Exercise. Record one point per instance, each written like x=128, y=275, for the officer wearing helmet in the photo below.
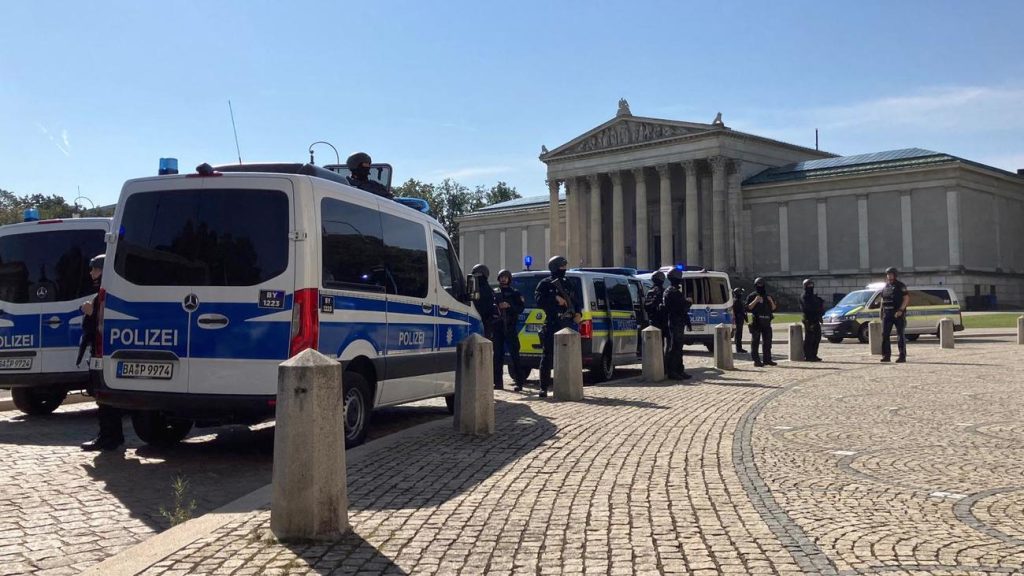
x=654, y=306
x=486, y=307
x=561, y=307
x=739, y=318
x=677, y=309
x=761, y=307
x=813, y=309
x=359, y=175
x=111, y=435
x=510, y=304
x=895, y=299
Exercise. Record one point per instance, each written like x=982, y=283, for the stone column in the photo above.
x=692, y=209
x=553, y=217
x=665, y=215
x=735, y=208
x=908, y=230
x=784, y=236
x=618, y=221
x=641, y=218
x=571, y=236
x=953, y=222
x=595, y=220
x=822, y=235
x=862, y=233
x=718, y=212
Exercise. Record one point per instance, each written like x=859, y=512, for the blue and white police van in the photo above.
x=710, y=293
x=44, y=279
x=213, y=279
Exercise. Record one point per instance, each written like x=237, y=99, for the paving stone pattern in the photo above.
x=847, y=467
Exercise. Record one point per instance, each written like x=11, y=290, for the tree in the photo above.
x=500, y=192
x=450, y=200
x=12, y=207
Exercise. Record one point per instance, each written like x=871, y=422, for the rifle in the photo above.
x=569, y=305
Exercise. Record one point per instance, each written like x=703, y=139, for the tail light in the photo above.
x=305, y=321
x=97, y=343
x=587, y=329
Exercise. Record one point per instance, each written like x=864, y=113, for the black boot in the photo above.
x=103, y=443
x=757, y=361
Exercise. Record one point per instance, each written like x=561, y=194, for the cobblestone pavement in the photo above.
x=847, y=467
x=63, y=510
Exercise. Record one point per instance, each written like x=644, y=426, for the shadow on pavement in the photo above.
x=65, y=427
x=349, y=555
x=622, y=402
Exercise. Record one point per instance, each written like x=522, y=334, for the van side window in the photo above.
x=929, y=297
x=352, y=246
x=405, y=256
x=48, y=266
x=619, y=297
x=599, y=294
x=449, y=274
x=718, y=292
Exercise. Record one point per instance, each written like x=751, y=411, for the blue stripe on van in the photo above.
x=23, y=335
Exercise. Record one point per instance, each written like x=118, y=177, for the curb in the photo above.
x=8, y=404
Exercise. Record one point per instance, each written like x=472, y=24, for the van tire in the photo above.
x=357, y=406
x=603, y=368
x=449, y=402
x=835, y=339
x=155, y=428
x=35, y=402
x=862, y=333
x=911, y=337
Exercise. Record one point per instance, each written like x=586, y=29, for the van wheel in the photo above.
x=862, y=333
x=37, y=402
x=603, y=369
x=835, y=339
x=449, y=401
x=357, y=409
x=911, y=337
x=157, y=429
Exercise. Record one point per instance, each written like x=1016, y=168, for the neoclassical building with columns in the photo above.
x=646, y=192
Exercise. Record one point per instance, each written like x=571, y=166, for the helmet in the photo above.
x=505, y=272
x=738, y=291
x=658, y=277
x=808, y=282
x=890, y=270
x=356, y=160
x=759, y=281
x=675, y=275
x=556, y=262
x=97, y=261
x=481, y=270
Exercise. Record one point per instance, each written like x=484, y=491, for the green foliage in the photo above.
x=184, y=506
x=12, y=207
x=449, y=200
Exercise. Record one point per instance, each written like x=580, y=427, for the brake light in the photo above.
x=305, y=321
x=97, y=343
x=587, y=329
x=51, y=221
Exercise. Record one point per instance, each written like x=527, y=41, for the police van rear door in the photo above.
x=19, y=304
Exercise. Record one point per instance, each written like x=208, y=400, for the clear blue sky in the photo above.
x=92, y=94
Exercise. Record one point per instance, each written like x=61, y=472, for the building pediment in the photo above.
x=625, y=132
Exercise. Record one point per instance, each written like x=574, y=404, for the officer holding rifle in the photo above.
x=561, y=307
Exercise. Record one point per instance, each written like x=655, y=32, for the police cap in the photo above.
x=556, y=262
x=358, y=159
x=481, y=270
x=97, y=261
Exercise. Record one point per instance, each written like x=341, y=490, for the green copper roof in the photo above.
x=849, y=165
x=519, y=203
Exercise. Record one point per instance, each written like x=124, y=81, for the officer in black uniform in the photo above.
x=654, y=305
x=510, y=304
x=677, y=308
x=739, y=318
x=895, y=299
x=561, y=307
x=359, y=169
x=813, y=308
x=761, y=307
x=488, y=310
x=111, y=434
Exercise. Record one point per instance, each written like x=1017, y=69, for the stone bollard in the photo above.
x=946, y=333
x=309, y=500
x=796, y=342
x=474, y=386
x=1020, y=330
x=875, y=337
x=568, y=379
x=654, y=355
x=723, y=347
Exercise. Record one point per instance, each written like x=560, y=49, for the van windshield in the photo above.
x=527, y=286
x=704, y=290
x=50, y=266
x=858, y=298
x=220, y=237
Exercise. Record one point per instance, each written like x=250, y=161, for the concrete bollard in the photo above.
x=1020, y=330
x=875, y=337
x=654, y=355
x=568, y=379
x=946, y=333
x=723, y=347
x=474, y=386
x=309, y=500
x=796, y=342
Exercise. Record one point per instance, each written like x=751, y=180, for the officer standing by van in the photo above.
x=359, y=169
x=895, y=299
x=111, y=434
x=654, y=305
x=813, y=309
x=488, y=310
x=739, y=318
x=561, y=307
x=510, y=304
x=677, y=308
x=761, y=307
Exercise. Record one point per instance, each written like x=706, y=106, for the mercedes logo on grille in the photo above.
x=190, y=303
x=42, y=292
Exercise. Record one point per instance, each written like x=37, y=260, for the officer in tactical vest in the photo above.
x=895, y=299
x=111, y=434
x=510, y=305
x=561, y=307
x=739, y=318
x=761, y=307
x=359, y=169
x=813, y=309
x=488, y=310
x=654, y=305
x=677, y=309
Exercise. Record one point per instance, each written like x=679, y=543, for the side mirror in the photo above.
x=472, y=289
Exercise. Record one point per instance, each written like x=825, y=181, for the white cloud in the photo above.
x=64, y=136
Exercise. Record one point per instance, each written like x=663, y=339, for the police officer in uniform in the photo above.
x=813, y=308
x=677, y=308
x=359, y=169
x=510, y=304
x=739, y=318
x=111, y=434
x=561, y=307
x=895, y=299
x=761, y=307
x=654, y=305
x=488, y=310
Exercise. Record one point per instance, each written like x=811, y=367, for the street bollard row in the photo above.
x=796, y=342
x=474, y=387
x=653, y=355
x=723, y=347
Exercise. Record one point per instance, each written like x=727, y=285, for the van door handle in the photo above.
x=53, y=322
x=427, y=308
x=212, y=321
x=442, y=310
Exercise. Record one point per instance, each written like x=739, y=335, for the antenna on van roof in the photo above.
x=235, y=130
